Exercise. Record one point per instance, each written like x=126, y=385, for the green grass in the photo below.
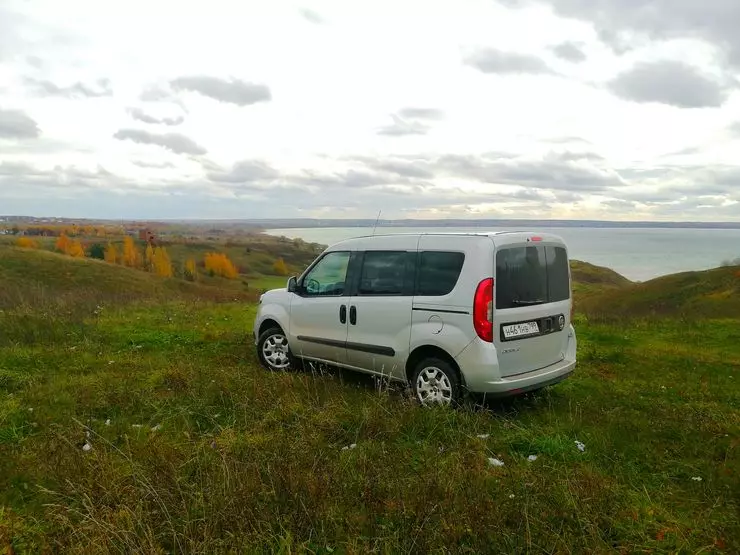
x=207, y=452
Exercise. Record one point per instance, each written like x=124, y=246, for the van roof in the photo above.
x=511, y=236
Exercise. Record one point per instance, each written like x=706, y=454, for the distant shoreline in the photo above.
x=263, y=224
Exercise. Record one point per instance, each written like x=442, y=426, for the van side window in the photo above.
x=327, y=277
x=383, y=273
x=438, y=272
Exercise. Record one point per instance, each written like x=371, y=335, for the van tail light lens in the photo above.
x=483, y=310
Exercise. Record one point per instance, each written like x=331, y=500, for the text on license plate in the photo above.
x=520, y=330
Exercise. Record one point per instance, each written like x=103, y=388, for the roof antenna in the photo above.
x=376, y=221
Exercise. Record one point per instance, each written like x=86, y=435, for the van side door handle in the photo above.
x=343, y=314
x=353, y=315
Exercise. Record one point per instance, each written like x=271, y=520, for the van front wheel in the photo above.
x=273, y=350
x=436, y=382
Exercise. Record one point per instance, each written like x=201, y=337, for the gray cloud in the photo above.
x=102, y=87
x=715, y=22
x=233, y=91
x=491, y=60
x=141, y=115
x=570, y=52
x=569, y=156
x=401, y=168
x=245, y=171
x=421, y=113
x=176, y=142
x=153, y=165
x=401, y=127
x=311, y=16
x=540, y=174
x=668, y=82
x=16, y=124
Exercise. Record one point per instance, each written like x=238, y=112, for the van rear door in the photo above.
x=532, y=300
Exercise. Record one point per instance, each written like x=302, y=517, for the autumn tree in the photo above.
x=111, y=253
x=63, y=243
x=149, y=257
x=280, y=268
x=191, y=271
x=218, y=264
x=27, y=243
x=131, y=255
x=76, y=249
x=161, y=262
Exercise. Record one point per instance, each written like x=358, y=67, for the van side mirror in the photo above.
x=292, y=284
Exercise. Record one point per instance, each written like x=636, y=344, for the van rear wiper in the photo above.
x=528, y=303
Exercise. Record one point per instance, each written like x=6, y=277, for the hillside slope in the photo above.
x=711, y=293
x=35, y=277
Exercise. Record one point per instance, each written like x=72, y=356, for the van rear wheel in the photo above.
x=436, y=382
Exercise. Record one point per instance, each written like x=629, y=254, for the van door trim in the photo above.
x=361, y=347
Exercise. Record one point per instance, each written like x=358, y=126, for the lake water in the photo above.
x=637, y=253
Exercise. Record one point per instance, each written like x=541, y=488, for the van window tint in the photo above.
x=383, y=273
x=531, y=275
x=558, y=274
x=438, y=272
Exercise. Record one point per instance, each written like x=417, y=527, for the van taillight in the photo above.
x=483, y=310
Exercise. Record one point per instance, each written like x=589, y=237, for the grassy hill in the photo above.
x=195, y=448
x=708, y=294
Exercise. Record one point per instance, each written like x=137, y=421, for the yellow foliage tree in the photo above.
x=161, y=262
x=75, y=249
x=218, y=264
x=63, y=243
x=280, y=268
x=131, y=255
x=191, y=271
x=111, y=254
x=27, y=243
x=149, y=257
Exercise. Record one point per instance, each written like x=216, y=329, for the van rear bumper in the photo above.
x=479, y=365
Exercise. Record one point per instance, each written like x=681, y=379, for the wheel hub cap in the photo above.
x=275, y=351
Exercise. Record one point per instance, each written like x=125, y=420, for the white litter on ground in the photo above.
x=157, y=428
x=532, y=458
x=136, y=425
x=495, y=462
x=107, y=422
x=352, y=446
x=86, y=447
x=581, y=446
x=484, y=436
x=696, y=478
x=512, y=496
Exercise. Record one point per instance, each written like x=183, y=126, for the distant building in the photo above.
x=148, y=236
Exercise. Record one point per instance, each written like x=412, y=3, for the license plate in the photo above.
x=521, y=330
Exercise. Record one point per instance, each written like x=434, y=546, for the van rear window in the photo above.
x=531, y=275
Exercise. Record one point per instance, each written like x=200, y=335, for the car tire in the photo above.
x=273, y=350
x=436, y=382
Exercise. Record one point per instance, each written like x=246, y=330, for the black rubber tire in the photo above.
x=448, y=371
x=266, y=335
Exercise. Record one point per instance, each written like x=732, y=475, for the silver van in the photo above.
x=448, y=313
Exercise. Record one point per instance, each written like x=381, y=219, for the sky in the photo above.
x=564, y=109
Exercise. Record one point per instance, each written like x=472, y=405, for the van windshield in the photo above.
x=531, y=275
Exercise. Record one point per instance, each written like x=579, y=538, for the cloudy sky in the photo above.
x=608, y=109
